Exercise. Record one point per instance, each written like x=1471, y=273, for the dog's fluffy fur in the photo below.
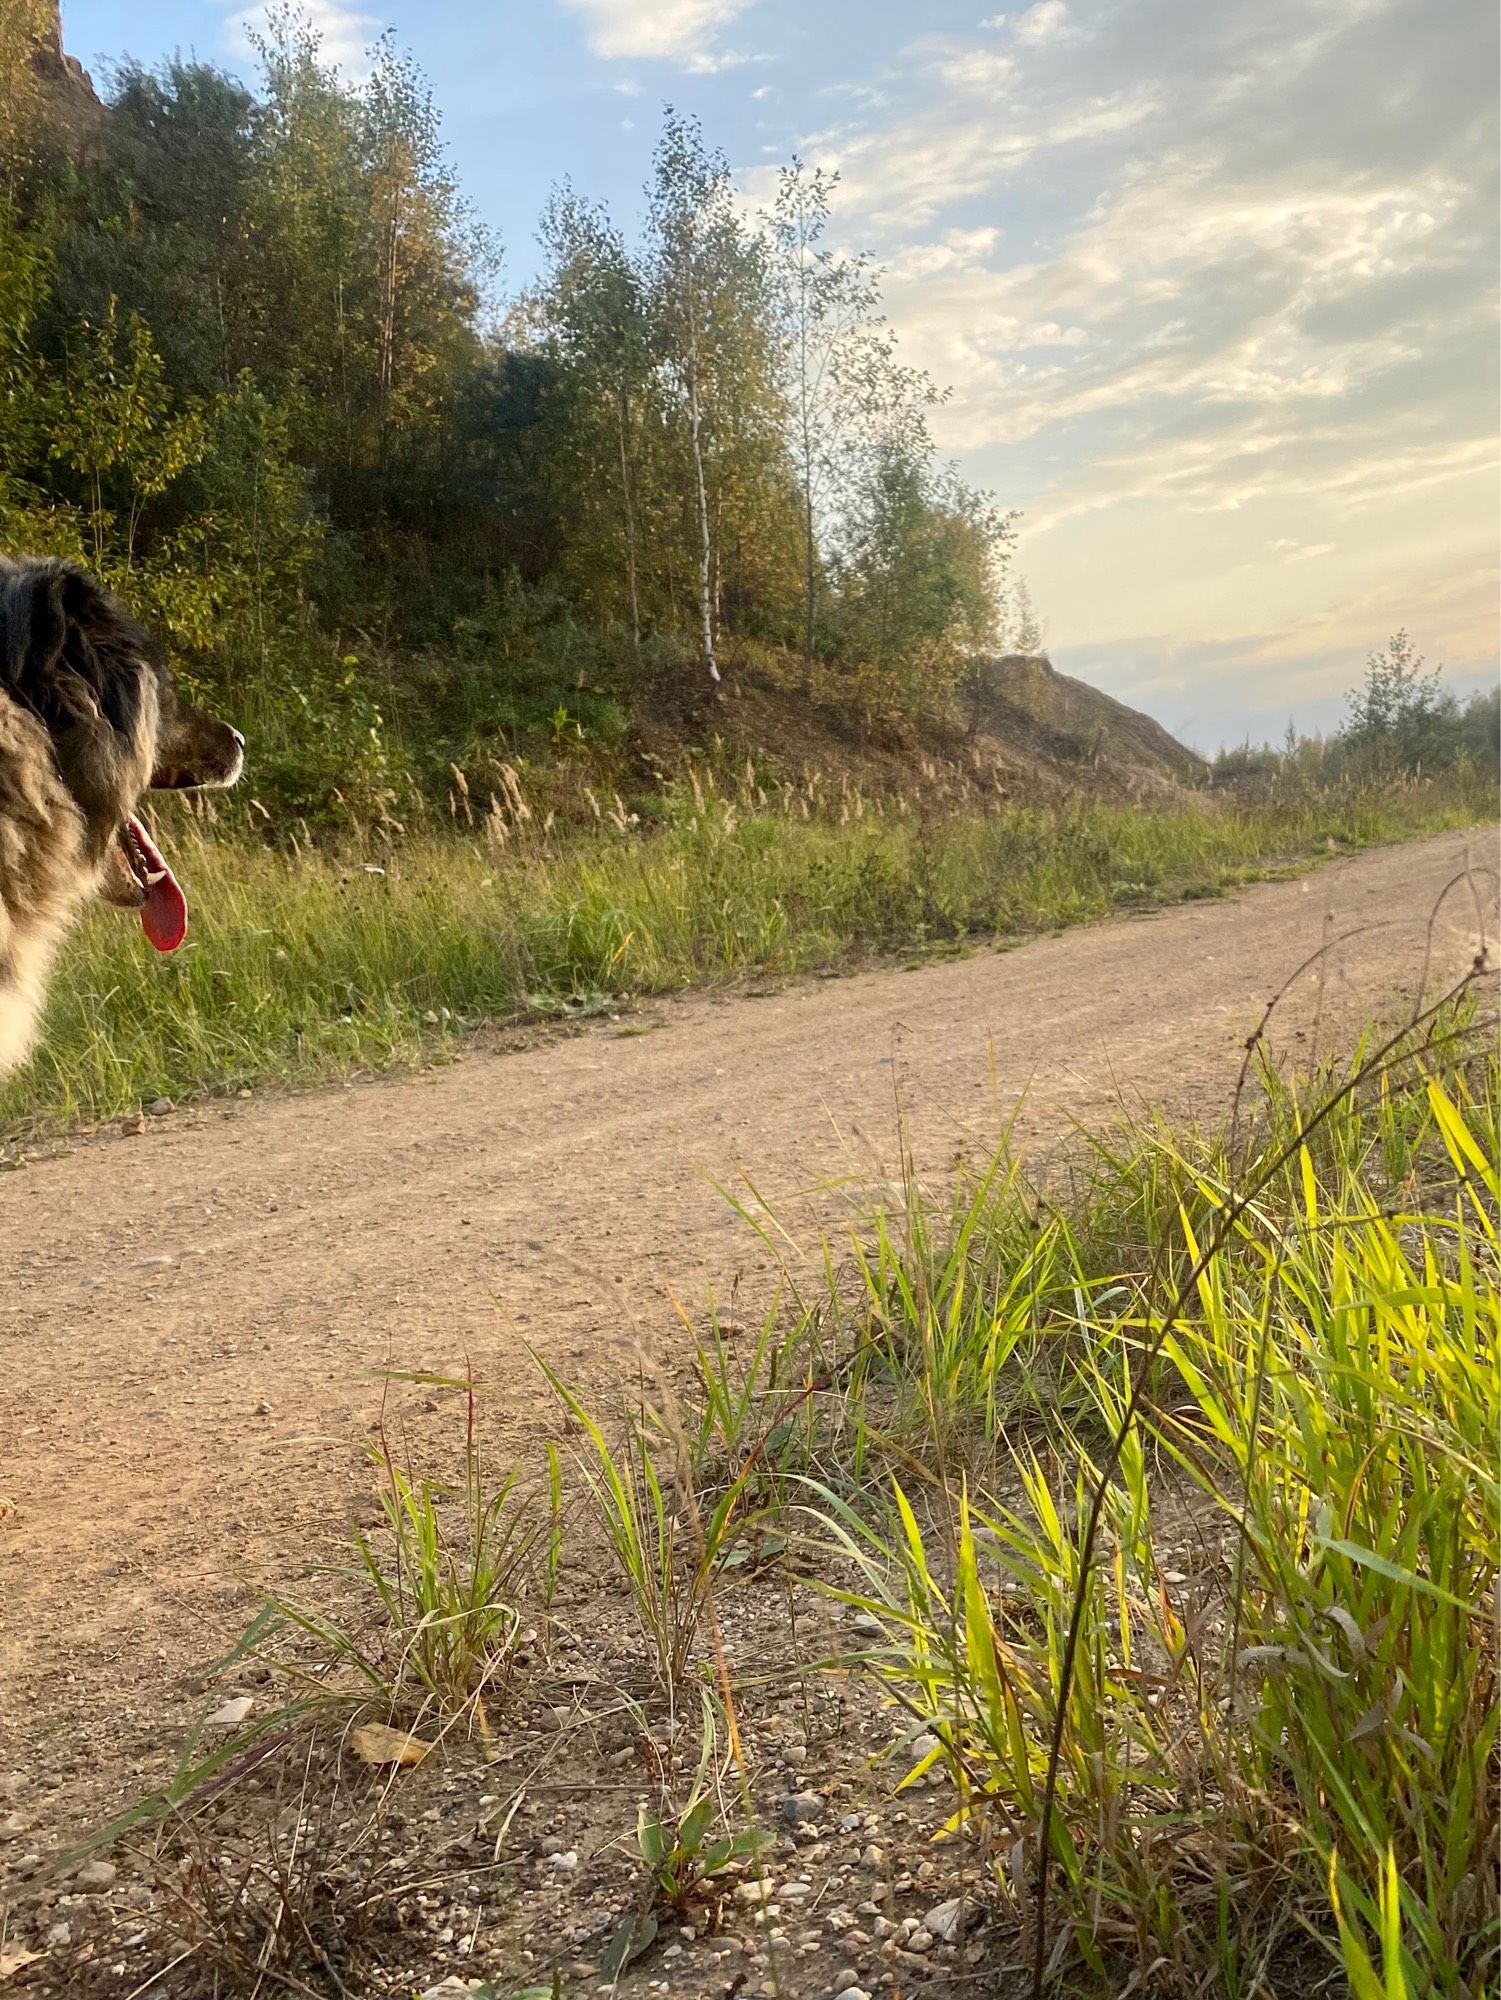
x=89, y=719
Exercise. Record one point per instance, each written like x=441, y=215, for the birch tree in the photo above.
x=830, y=305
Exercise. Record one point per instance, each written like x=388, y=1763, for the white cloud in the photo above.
x=345, y=35
x=676, y=31
x=1047, y=22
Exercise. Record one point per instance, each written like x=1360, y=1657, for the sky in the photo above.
x=1213, y=282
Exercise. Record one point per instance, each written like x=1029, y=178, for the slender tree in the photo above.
x=831, y=305
x=594, y=309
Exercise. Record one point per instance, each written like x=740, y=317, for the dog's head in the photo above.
x=75, y=659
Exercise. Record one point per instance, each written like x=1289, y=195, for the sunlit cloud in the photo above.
x=681, y=32
x=1191, y=269
x=345, y=35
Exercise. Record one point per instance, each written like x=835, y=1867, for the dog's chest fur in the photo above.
x=45, y=872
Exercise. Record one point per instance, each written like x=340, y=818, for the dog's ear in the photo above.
x=33, y=630
x=77, y=661
x=69, y=651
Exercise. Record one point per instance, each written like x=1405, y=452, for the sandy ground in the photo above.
x=195, y=1321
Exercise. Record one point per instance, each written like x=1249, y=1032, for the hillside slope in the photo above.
x=1036, y=712
x=1037, y=734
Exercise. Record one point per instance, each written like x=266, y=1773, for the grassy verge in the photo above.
x=1181, y=1525
x=308, y=965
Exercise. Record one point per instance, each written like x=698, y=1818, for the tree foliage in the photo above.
x=251, y=373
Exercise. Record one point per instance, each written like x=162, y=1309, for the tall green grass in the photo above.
x=306, y=965
x=1276, y=1729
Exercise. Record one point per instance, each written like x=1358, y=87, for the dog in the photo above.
x=89, y=720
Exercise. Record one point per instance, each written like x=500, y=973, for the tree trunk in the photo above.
x=705, y=560
x=630, y=522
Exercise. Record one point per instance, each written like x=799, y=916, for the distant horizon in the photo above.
x=1213, y=288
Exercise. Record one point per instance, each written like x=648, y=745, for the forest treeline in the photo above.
x=254, y=374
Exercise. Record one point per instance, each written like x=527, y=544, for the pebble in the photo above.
x=852, y=1993
x=751, y=1895
x=946, y=1921
x=803, y=1806
x=13, y=1826
x=922, y=1746
x=97, y=1875
x=867, y=1625
x=552, y=1845
x=160, y=1106
x=872, y=1858
x=846, y=1980
x=564, y=1863
x=795, y=1892
x=797, y=1754
x=849, y=1822
x=920, y=1940
x=59, y=1934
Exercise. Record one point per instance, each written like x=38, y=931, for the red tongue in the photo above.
x=164, y=914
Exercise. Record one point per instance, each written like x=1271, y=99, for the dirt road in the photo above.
x=193, y=1321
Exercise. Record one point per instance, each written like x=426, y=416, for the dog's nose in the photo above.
x=239, y=739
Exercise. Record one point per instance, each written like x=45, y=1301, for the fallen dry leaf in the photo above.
x=373, y=1743
x=13, y=1957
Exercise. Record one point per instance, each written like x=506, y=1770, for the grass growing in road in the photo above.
x=309, y=965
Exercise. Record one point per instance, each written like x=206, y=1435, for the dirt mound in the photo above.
x=1040, y=734
x=1053, y=720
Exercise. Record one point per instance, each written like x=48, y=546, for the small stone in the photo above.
x=849, y=1822
x=13, y=1826
x=59, y=1934
x=231, y=1714
x=867, y=1625
x=564, y=1863
x=263, y=1409
x=803, y=1807
x=847, y=1977
x=851, y=1992
x=923, y=1746
x=795, y=1892
x=872, y=1858
x=946, y=1921
x=160, y=1106
x=97, y=1875
x=552, y=1845
x=752, y=1895
x=920, y=1940
x=798, y=1754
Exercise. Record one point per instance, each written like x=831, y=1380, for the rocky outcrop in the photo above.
x=69, y=102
